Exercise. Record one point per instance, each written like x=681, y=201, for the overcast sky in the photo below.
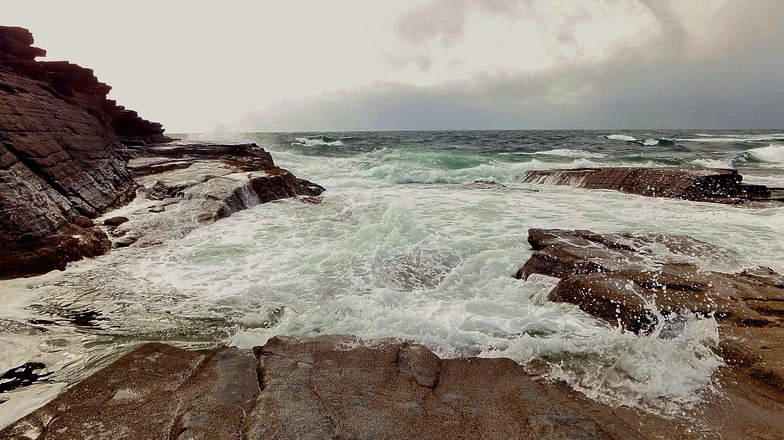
x=418, y=64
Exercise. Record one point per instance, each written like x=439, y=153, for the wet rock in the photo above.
x=345, y=387
x=704, y=185
x=58, y=159
x=22, y=375
x=156, y=391
x=115, y=221
x=325, y=387
x=640, y=281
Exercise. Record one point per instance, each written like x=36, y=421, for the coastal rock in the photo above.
x=315, y=388
x=63, y=153
x=58, y=160
x=185, y=185
x=703, y=185
x=344, y=387
x=155, y=391
x=647, y=283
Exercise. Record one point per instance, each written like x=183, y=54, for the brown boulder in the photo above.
x=618, y=278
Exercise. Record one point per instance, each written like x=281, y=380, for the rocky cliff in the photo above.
x=59, y=166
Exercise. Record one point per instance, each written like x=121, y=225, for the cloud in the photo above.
x=713, y=65
x=672, y=28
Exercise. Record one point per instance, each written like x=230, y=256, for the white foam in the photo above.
x=713, y=163
x=318, y=142
x=621, y=137
x=773, y=153
x=730, y=138
x=431, y=261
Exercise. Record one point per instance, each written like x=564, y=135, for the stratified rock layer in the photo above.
x=705, y=185
x=647, y=283
x=63, y=153
x=58, y=160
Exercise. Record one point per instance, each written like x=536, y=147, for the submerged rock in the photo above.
x=704, y=185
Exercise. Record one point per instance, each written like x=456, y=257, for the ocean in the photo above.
x=417, y=237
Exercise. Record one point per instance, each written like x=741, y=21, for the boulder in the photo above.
x=704, y=185
x=647, y=283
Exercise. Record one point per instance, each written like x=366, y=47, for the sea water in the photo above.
x=417, y=237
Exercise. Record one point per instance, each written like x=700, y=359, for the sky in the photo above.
x=334, y=65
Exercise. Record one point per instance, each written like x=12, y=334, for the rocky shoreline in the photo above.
x=69, y=155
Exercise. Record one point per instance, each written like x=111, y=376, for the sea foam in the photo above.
x=773, y=153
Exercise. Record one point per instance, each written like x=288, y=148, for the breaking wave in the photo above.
x=773, y=153
x=318, y=141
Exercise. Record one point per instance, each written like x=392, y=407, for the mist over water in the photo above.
x=417, y=237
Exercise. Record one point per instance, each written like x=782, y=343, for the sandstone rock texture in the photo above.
x=343, y=387
x=703, y=185
x=58, y=161
x=326, y=387
x=649, y=283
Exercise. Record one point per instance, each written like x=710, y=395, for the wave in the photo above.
x=733, y=138
x=621, y=137
x=648, y=142
x=713, y=163
x=773, y=153
x=318, y=141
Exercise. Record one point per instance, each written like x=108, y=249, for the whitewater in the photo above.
x=417, y=237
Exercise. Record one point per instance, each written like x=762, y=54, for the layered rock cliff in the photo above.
x=59, y=166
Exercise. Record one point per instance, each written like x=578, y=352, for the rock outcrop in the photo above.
x=650, y=283
x=343, y=387
x=58, y=161
x=63, y=153
x=200, y=183
x=703, y=185
x=325, y=387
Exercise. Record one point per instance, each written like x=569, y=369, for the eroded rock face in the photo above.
x=58, y=160
x=638, y=281
x=704, y=185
